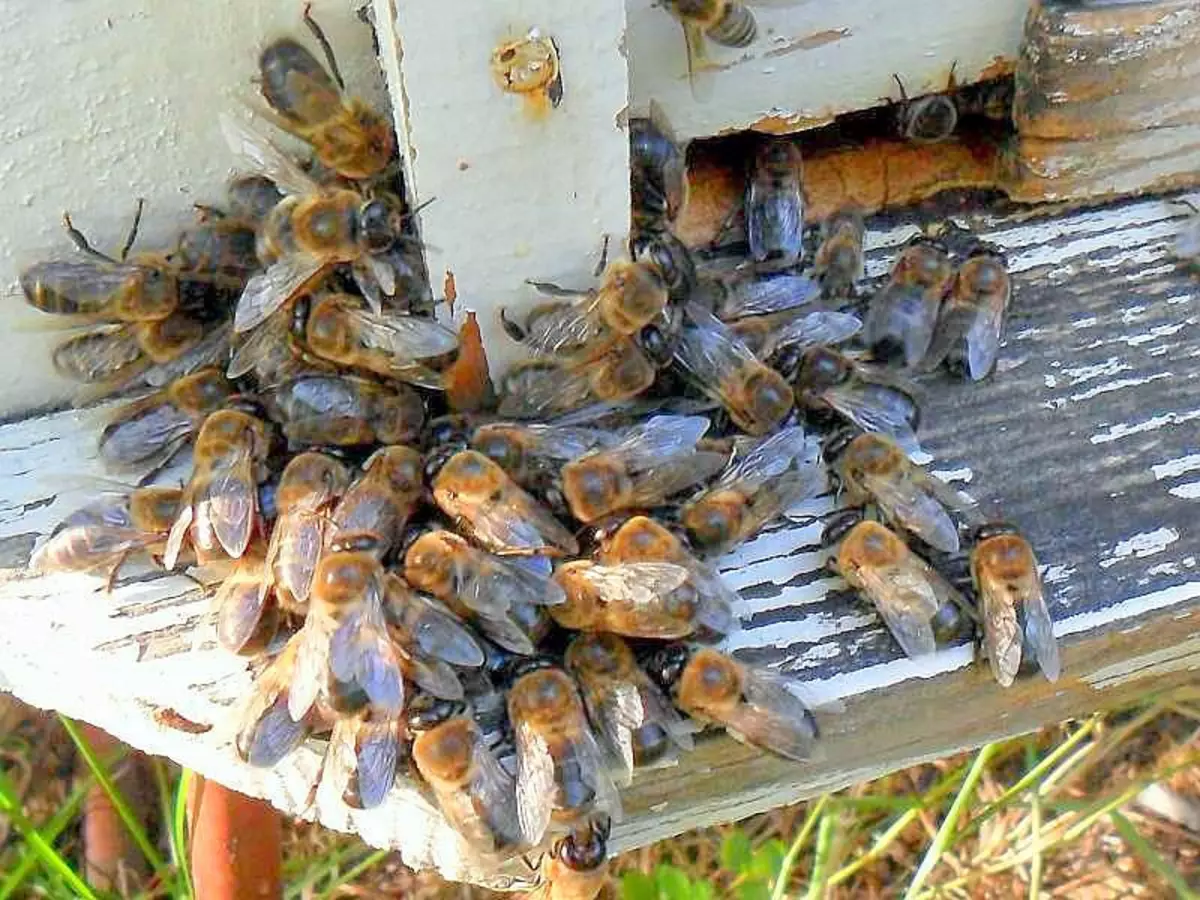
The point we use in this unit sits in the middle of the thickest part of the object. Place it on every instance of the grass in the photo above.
(1050, 814)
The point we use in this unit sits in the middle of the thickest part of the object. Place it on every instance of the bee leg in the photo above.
(602, 263)
(81, 242)
(900, 84)
(319, 34)
(206, 212)
(133, 229)
(111, 581)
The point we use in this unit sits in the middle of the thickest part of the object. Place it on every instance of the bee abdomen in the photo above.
(736, 28)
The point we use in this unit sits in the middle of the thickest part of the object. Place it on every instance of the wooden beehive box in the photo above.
(1089, 434)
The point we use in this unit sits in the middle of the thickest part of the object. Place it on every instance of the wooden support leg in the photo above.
(111, 860)
(235, 844)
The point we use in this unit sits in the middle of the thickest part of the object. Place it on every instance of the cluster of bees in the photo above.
(510, 595)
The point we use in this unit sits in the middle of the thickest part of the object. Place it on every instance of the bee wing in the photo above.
(875, 407)
(405, 338)
(496, 586)
(376, 746)
(659, 438)
(304, 535)
(906, 602)
(361, 653)
(636, 583)
(212, 350)
(762, 296)
(1001, 631)
(903, 314)
(544, 391)
(983, 339)
(616, 710)
(240, 601)
(768, 458)
(140, 437)
(821, 327)
(571, 328)
(267, 291)
(536, 786)
(771, 716)
(258, 154)
(494, 791)
(228, 502)
(268, 342)
(437, 632)
(433, 676)
(918, 511)
(310, 674)
(716, 601)
(506, 632)
(267, 732)
(175, 537)
(1039, 631)
(551, 441)
(518, 523)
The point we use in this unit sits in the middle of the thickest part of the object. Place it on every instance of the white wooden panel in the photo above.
(815, 59)
(108, 100)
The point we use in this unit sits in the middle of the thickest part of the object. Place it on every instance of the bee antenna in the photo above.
(326, 48)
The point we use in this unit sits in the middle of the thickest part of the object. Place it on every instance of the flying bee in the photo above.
(792, 331)
(103, 534)
(929, 119)
(491, 509)
(156, 426)
(873, 469)
(576, 868)
(765, 478)
(724, 22)
(374, 511)
(474, 792)
(657, 172)
(638, 599)
(902, 314)
(311, 485)
(839, 260)
(560, 769)
(267, 732)
(247, 614)
(526, 451)
(653, 461)
(429, 640)
(346, 135)
(1016, 623)
(529, 67)
(917, 604)
(346, 411)
(756, 397)
(635, 723)
(827, 380)
(967, 336)
(754, 705)
(775, 206)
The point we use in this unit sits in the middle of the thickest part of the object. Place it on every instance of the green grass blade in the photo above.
(10, 805)
(789, 859)
(881, 844)
(58, 823)
(1151, 857)
(1035, 865)
(370, 862)
(178, 832)
(818, 880)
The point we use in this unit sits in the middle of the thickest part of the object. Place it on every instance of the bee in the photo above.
(429, 640)
(346, 135)
(653, 461)
(657, 172)
(561, 775)
(365, 750)
(222, 246)
(929, 119)
(526, 452)
(310, 230)
(539, 387)
(757, 707)
(967, 335)
(473, 790)
(827, 380)
(494, 512)
(220, 503)
(267, 731)
(529, 67)
(917, 604)
(775, 206)
(637, 599)
(634, 721)
(210, 351)
(101, 288)
(103, 534)
(872, 468)
(346, 411)
(783, 335)
(839, 260)
(311, 485)
(756, 397)
(764, 479)
(156, 426)
(902, 314)
(724, 22)
(670, 260)
(247, 615)
(251, 198)
(1016, 623)
(374, 511)
(576, 868)
(736, 295)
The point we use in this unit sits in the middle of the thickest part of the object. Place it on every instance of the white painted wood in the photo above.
(516, 197)
(815, 59)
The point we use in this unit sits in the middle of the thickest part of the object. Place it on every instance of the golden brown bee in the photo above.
(101, 288)
(929, 119)
(346, 135)
(635, 723)
(346, 411)
(493, 511)
(775, 206)
(902, 314)
(311, 484)
(764, 479)
(757, 707)
(247, 613)
(637, 599)
(725, 22)
(158, 425)
(653, 461)
(374, 511)
(529, 68)
(839, 260)
(267, 732)
(1016, 622)
(657, 172)
(429, 640)
(967, 336)
(756, 397)
(527, 451)
(914, 601)
(219, 510)
(560, 770)
(576, 868)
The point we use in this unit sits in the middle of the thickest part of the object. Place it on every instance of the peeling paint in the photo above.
(1140, 545)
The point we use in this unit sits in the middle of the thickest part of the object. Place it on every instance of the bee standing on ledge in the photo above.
(529, 67)
(775, 206)
(724, 22)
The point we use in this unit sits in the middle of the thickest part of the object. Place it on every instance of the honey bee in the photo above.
(757, 707)
(635, 723)
(638, 599)
(346, 135)
(311, 484)
(670, 260)
(793, 331)
(346, 411)
(374, 511)
(902, 314)
(158, 425)
(916, 603)
(764, 479)
(220, 503)
(534, 388)
(839, 260)
(473, 790)
(967, 336)
(576, 868)
(1016, 623)
(725, 22)
(657, 172)
(526, 452)
(653, 461)
(267, 732)
(929, 119)
(366, 749)
(872, 468)
(735, 295)
(494, 512)
(529, 67)
(210, 351)
(251, 197)
(223, 246)
(756, 397)
(827, 380)
(248, 616)
(775, 206)
(429, 640)
(561, 775)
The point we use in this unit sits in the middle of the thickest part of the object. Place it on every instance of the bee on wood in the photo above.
(432, 645)
(901, 318)
(529, 67)
(839, 260)
(657, 172)
(637, 599)
(374, 510)
(576, 868)
(775, 206)
(967, 335)
(929, 119)
(724, 22)
(346, 411)
(247, 614)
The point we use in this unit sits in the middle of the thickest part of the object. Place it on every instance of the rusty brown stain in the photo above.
(171, 719)
(999, 67)
(468, 383)
(449, 290)
(789, 124)
(810, 41)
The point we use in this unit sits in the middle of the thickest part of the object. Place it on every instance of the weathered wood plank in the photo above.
(1086, 437)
